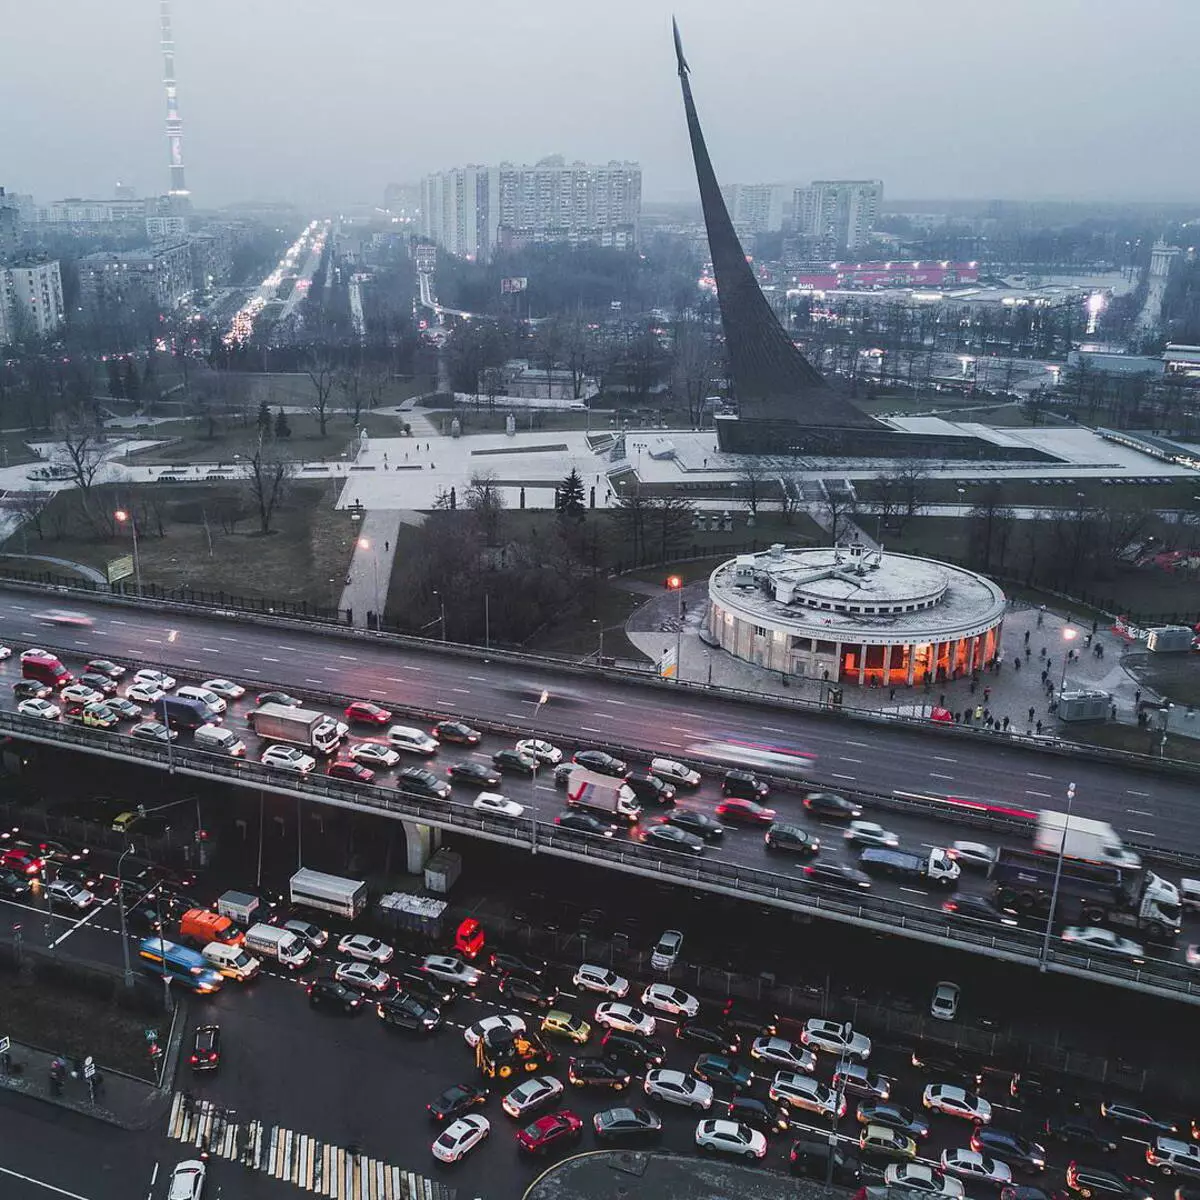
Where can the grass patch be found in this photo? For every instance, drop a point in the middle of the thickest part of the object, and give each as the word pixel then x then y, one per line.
pixel 1133 739
pixel 13 450
pixel 33 566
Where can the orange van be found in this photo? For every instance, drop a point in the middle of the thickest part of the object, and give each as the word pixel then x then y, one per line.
pixel 200 926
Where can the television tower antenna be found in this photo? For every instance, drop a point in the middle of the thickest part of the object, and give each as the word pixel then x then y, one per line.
pixel 178 188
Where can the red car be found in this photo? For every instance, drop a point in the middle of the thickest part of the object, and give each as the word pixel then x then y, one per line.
pixel 354 772
pixel 745 812
pixel 24 862
pixel 364 712
pixel 562 1128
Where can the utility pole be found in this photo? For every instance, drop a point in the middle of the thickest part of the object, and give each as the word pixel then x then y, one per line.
pixel 1062 847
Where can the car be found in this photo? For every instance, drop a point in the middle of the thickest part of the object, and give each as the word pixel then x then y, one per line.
pixel 802 1091
pixel 1010 1148
pixel 666 953
pixel 783 1053
pixel 672 838
pixel 603 764
pixel 830 804
pixel 288 701
pixel 894 1116
pixel 349 770
pixel 884 1141
pixel 1092 937
pixel 744 785
pixel 944 1005
pixel 158 679
pixel 458 732
pixel 1081 1132
pixel 123 709
pixel 737 811
pixel 521 989
pixel 549 1132
pixel 649 789
pixel 225 688
pixel 617 1015
pixel 367 712
pixel 39 708
pixel 456 1100
pixel 206 1048
pixel 956 1101
pixel 1016 1191
pixel 671 771
pixel 453 970
pixel 582 822
pixel 105 667
pixel 66 617
pixel 720 1068
pixel 599 1072
pixel 288 758
pixel 562 774
pixel 545 753
pixel 704 1033
pixel 791 839
pixel 497 805
pixel 838 875
pixel 534 1094
pixel 374 755
pixel 327 992
pixel 814 1157
pixel 156 731
pixel 924 1178
pixel 1137 1118
pixel 99 716
pixel 187 1180
pixel 14 886
pixel 98 683
pixel 677 1088
pixel 144 693
pixel 65 892
pixel 701 824
pixel 973 854
pixel 474 773
pixel 870 833
pixel 855 1079
pixel 457 1140
pixel 664 998
pixel 970 1164
pixel 594 978
pixel 1171 1156
pixel 417 781
pixel 768 1118
pixel 1107 1185
pixel 401 1010
pixel 566 1025
pixel 364 976
pixel 474 1034
pixel 31 689
pixel 627 1125
pixel 313 935
pixel 718 1136
pixel 517 964
pixel 978 908
pixel 836 1037
pixel 633 1048
pixel 365 948
pixel 513 762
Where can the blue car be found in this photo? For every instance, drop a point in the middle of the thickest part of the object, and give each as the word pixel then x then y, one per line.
pixel 720 1068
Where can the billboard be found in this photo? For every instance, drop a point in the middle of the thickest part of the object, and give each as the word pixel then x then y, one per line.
pixel 509 285
pixel 119 568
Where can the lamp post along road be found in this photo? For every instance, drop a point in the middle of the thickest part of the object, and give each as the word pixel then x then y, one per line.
pixel 537 708
pixel 124 516
pixel 121 917
pixel 1062 848
pixel 1069 635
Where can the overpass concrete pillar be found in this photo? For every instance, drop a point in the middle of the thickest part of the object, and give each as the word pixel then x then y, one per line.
pixel 422 842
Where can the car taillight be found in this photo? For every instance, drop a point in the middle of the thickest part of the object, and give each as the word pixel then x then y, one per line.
pixel 194 1060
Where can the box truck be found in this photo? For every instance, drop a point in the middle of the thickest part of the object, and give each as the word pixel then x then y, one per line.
pixel 330 893
pixel 936 867
pixel 602 794
pixel 280 944
pixel 1079 837
pixel 296 726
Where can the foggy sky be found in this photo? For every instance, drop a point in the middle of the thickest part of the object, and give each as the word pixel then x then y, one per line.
pixel 325 101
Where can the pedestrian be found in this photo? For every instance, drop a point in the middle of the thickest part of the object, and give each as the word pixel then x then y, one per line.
pixel 1041 615
pixel 979 712
pixel 973 687
pixel 1044 674
pixel 1114 712
pixel 385 458
pixel 1095 627
pixel 1053 707
pixel 1027 637
pixel 1017 663
pixel 1137 697
pixel 1100 648
pixel 387 547
pixel 1031 712
pixel 1028 652
pixel 1042 652
pixel 1039 727
pixel 1049 662
pixel 891 693
pixel 942 699
pixel 1005 724
pixel 987 694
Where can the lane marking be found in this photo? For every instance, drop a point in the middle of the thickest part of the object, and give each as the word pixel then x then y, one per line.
pixel 943 758
pixel 913 891
pixel 1039 795
pixel 853 760
pixel 621 702
pixel 94 911
pixel 774 729
pixel 462 691
pixel 224 637
pixel 1131 792
pixel 1035 775
pixel 193 662
pixel 1143 833
pixel 266 659
pixel 335 670
pixel 209 650
pixel 477 679
pixel 347 658
pixel 589 729
pixel 42 1184
pixel 1139 812
pixel 314 681
pixel 935 775
pixel 835 775
pixel 860 745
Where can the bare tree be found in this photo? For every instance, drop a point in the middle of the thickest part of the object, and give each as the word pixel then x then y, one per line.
pixel 881 496
pixel 836 509
pixel 692 366
pixel 322 374
pixel 753 481
pixel 672 519
pixel 630 514
pixel 351 382
pixel 485 499
pixel 791 494
pixel 81 453
pixel 30 507
pixel 991 525
pixel 912 482
pixel 268 474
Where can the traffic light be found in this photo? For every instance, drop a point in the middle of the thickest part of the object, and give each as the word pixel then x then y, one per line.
pixel 674 583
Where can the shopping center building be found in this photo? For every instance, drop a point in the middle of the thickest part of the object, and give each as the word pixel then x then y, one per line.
pixel 854 615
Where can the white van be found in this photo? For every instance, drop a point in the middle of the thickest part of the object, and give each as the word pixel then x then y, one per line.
pixel 411 739
pixel 219 741
pixel 204 696
pixel 1189 894
pixel 280 944
pixel 232 961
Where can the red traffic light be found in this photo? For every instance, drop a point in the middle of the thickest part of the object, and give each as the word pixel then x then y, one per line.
pixel 674 583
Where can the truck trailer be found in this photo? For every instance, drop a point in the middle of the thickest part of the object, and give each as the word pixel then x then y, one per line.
pixel 344 898
pixel 1081 838
pixel 603 794
pixel 421 915
pixel 936 867
pixel 296 726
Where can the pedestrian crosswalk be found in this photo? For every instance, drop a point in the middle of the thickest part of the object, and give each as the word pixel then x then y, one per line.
pixel 337 1172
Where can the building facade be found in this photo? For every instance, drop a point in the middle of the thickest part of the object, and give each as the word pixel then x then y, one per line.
pixel 88 212
pixel 212 258
pixel 10 226
pixel 31 302
pixel 838 213
pixel 161 275
pixel 755 207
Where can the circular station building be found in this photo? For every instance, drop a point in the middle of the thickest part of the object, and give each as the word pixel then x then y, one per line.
pixel 854 615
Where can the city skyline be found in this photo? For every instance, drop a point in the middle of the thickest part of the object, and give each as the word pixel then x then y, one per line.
pixel 949 107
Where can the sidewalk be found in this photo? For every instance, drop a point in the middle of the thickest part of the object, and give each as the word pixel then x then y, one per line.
pixel 370 570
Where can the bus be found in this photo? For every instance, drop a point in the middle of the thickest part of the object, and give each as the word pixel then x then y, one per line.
pixel 178 962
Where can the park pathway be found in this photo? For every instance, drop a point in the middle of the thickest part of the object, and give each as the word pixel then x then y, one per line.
pixel 370 569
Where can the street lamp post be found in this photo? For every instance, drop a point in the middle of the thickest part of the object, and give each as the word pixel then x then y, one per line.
pixel 537 708
pixel 124 515
pixel 365 544
pixel 121 917
pixel 1062 848
pixel 1069 635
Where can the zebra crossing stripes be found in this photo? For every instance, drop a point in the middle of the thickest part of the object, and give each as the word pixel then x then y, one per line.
pixel 293 1157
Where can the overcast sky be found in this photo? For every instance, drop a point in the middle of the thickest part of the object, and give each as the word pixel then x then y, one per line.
pixel 326 101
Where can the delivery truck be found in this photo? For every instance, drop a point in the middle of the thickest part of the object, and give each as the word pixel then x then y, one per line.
pixel 1079 837
pixel 344 898
pixel 602 794
pixel 936 867
pixel 296 726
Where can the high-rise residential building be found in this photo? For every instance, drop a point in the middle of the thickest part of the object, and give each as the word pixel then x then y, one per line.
pixel 161 275
pixel 454 211
pixel 10 226
pixel 755 207
pixel 31 302
pixel 838 213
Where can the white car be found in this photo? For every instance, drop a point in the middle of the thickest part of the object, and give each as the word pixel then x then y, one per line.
pixel 144 693
pixel 944 1004
pixel 453 970
pixel 836 1037
pixel 673 1001
pixel 677 1088
pixel 493 802
pixel 39 708
pixel 534 1093
pixel 225 688
pixel 922 1177
pixel 600 979
pixel 288 758
pixel 5 652
pixel 187 1180
pixel 35 652
pixel 70 893
pixel 972 1165
pixel 670 771
pixel 957 1102
pixel 625 1017
pixel 362 975
pixel 731 1137
pixel 164 683
pixel 204 695
pixel 868 833
pixel 1192 954
pixel 80 693
pixel 784 1053
pixel 461 1138
pixel 365 948
pixel 314 936
pixel 372 754
pixel 1092 937
pixel 802 1091
pixel 474 1034
pixel 973 854
pixel 544 752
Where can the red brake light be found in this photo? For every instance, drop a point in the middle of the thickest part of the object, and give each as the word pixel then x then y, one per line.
pixel 194 1059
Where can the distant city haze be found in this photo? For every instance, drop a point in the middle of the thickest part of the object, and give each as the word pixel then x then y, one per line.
pixel 324 103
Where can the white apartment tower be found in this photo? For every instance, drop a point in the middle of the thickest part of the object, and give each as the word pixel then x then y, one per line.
pixel 839 213
pixel 31 302
pixel 755 207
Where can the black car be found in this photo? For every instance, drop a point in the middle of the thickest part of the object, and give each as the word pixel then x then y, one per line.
pixel 599 1072
pixel 1078 1132
pixel 105 667
pixel 830 804
pixel 671 837
pixel 583 822
pixel 279 698
pixel 701 824
pixel 13 886
pixel 894 1116
pixel 431 991
pixel 1009 1148
pixel 649 789
pixel 529 991
pixel 403 1011
pixel 739 1016
pixel 30 689
pixel 1099 1183
pixel 978 908
pixel 811 1157
pixel 836 875
pixel 417 781
pixel 723 1041
pixel 947 1064
pixel 791 839
pixel 206 1048
pixel 456 731
pixel 627 1125
pixel 758 1114
pixel 474 773
pixel 603 764
pixel 745 785
pixel 99 683
pixel 456 1100
pixel 633 1048
pixel 327 992
pixel 517 964
pixel 513 762
pixel 1121 1113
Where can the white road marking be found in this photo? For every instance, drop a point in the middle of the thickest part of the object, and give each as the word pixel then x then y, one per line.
pixel 154 641
pixel 334 670
pixel 116 622
pixel 589 729
pixel 853 760
pixel 671 745
pixel 913 891
pixel 314 681
pixel 680 729
pixel 92 912
pixel 835 775
pixel 943 758
pixel 209 650
pixel 860 745
pixel 517 716
pixel 1035 775
pixel 477 679
pixel 226 638
pixel 1131 792
pixel 42 1184
pixel 406 667
pixel 1139 812
pixel 935 775
pixel 1143 832
pixel 1039 795
pixel 774 729
pixel 347 658
pixel 462 691
pixel 372 691
pixel 195 662
pixel 266 659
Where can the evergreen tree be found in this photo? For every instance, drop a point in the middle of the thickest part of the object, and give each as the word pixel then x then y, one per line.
pixel 282 428
pixel 116 387
pixel 569 498
pixel 133 383
pixel 264 420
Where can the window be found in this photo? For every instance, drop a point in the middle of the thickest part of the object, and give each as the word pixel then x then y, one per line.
pixel 759 631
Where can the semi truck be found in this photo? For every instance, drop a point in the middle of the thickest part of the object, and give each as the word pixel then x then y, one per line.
pixel 1088 893
pixel 936 867
pixel 297 726
pixel 602 794
pixel 1081 838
